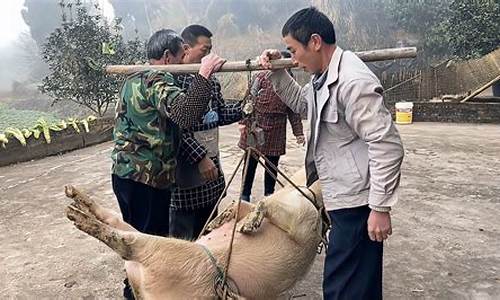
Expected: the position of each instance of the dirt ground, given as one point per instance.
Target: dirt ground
(446, 241)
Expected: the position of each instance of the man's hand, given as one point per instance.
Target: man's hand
(301, 140)
(208, 169)
(210, 64)
(379, 226)
(242, 128)
(266, 57)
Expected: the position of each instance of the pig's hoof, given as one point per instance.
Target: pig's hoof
(81, 220)
(252, 222)
(227, 215)
(80, 200)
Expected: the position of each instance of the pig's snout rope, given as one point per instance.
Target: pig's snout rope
(222, 284)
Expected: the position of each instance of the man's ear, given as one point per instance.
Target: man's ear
(316, 42)
(166, 57)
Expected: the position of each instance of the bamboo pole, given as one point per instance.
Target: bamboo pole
(478, 91)
(253, 65)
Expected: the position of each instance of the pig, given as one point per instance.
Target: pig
(275, 243)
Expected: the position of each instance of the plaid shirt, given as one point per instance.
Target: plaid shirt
(193, 152)
(271, 114)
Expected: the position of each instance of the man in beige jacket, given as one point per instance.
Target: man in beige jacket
(353, 148)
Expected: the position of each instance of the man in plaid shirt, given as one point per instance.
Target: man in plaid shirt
(200, 180)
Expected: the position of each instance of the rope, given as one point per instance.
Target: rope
(221, 284)
(230, 250)
(223, 288)
(325, 218)
(220, 198)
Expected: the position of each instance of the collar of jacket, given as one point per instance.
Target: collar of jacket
(333, 68)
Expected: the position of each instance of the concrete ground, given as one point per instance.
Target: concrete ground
(446, 241)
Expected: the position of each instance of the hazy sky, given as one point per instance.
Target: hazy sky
(12, 22)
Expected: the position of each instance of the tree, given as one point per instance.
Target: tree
(424, 19)
(473, 27)
(359, 24)
(445, 28)
(75, 53)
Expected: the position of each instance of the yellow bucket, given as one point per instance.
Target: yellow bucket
(404, 112)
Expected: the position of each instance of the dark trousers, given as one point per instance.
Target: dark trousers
(269, 181)
(187, 224)
(144, 207)
(353, 264)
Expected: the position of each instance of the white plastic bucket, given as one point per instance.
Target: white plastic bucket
(404, 112)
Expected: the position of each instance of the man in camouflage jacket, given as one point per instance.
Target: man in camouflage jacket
(149, 116)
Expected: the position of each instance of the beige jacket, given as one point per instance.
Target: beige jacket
(353, 146)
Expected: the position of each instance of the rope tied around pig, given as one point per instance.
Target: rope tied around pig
(226, 288)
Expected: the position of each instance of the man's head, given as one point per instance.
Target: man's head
(309, 35)
(198, 43)
(165, 47)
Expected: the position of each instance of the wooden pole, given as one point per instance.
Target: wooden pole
(253, 65)
(478, 91)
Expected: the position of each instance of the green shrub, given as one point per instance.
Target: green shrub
(22, 118)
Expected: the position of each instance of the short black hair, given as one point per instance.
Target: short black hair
(306, 22)
(162, 40)
(191, 33)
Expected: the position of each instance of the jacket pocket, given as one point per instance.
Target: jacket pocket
(329, 114)
(334, 124)
(338, 168)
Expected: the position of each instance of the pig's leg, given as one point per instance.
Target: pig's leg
(254, 218)
(225, 216)
(288, 210)
(90, 207)
(120, 241)
(230, 213)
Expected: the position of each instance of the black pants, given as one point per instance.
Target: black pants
(269, 181)
(353, 264)
(187, 224)
(144, 207)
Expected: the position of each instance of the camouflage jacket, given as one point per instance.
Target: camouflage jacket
(149, 115)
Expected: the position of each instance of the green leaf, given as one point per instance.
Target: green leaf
(108, 49)
(27, 133)
(85, 125)
(63, 124)
(36, 133)
(55, 127)
(3, 140)
(17, 133)
(46, 135)
(72, 122)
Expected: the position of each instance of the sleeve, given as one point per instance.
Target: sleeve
(290, 92)
(367, 115)
(190, 149)
(183, 108)
(295, 122)
(228, 113)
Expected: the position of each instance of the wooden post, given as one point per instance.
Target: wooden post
(478, 91)
(253, 65)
